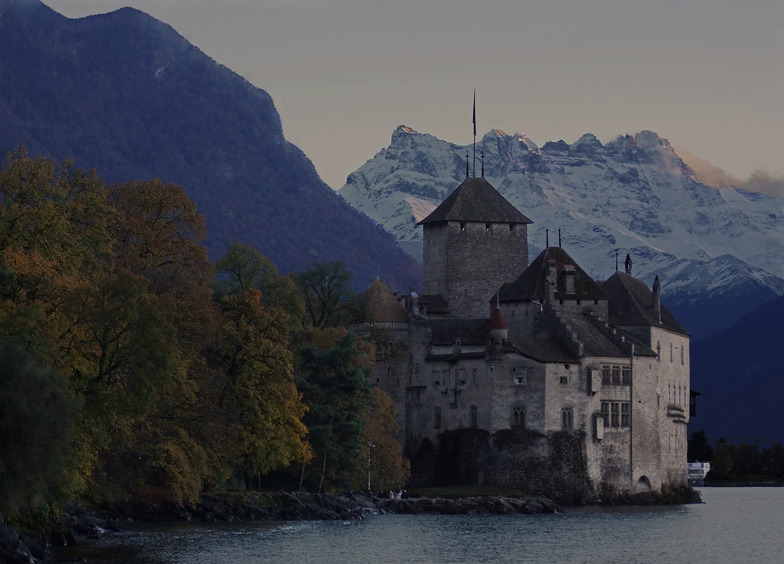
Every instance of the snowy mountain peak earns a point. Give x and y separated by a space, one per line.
633 195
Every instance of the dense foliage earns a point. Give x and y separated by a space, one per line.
746 462
129 368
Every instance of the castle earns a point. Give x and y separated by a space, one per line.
531 375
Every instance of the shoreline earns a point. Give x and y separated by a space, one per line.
80 523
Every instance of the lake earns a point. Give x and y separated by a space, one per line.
732 525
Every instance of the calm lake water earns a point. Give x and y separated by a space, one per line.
733 525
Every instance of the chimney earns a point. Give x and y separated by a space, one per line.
628 264
656 300
551 280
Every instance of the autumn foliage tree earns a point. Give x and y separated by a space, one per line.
110 287
164 373
380 464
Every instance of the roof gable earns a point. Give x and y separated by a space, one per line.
532 283
477 201
630 304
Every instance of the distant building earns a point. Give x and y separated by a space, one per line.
529 375
697 472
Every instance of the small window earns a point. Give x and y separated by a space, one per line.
473 416
437 418
462 227
518 417
564 380
625 414
436 377
670 352
511 227
487 226
567 418
682 354
519 377
461 375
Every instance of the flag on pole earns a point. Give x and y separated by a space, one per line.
474 112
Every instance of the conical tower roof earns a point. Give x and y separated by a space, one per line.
476 200
382 304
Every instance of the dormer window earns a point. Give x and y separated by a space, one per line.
569 279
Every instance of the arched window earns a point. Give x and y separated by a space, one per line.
567 418
473 416
518 417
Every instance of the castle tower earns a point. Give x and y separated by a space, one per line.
473 242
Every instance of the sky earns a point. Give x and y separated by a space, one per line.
708 75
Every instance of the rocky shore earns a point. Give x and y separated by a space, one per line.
80 522
83 523
305 506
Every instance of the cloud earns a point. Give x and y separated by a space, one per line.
763 181
715 177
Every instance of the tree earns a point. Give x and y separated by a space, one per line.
699 449
243 268
722 459
326 291
36 419
380 464
335 385
254 395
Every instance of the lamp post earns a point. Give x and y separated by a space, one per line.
370 445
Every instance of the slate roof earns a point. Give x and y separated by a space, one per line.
532 283
599 340
630 305
383 306
433 303
545 350
476 200
468 331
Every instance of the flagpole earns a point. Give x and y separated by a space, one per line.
474 133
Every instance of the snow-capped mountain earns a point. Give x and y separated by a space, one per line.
633 195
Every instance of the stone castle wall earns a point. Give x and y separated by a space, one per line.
467 263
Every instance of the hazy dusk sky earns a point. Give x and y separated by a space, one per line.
706 74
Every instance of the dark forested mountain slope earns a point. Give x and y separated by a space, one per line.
739 373
127 95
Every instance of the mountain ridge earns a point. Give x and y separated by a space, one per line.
633 195
128 96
